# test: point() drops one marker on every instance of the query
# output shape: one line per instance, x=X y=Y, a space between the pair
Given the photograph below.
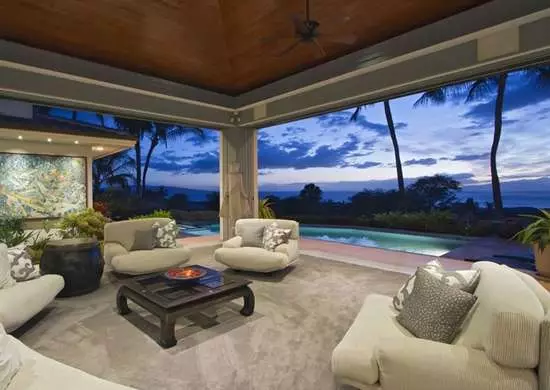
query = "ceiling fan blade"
x=348 y=39
x=320 y=47
x=289 y=49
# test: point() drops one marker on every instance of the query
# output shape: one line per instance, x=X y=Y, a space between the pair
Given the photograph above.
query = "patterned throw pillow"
x=166 y=235
x=434 y=310
x=5 y=268
x=274 y=236
x=21 y=265
x=465 y=280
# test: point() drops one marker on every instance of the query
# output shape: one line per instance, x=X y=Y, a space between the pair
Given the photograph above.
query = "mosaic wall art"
x=40 y=186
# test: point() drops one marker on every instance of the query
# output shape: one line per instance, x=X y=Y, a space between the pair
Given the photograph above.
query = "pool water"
x=427 y=245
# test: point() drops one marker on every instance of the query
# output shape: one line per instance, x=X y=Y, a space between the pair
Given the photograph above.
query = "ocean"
x=516 y=198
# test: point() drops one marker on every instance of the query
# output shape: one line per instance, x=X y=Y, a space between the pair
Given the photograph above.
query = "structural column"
x=238 y=177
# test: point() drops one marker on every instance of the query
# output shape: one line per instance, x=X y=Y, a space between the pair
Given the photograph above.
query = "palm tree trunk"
x=154 y=144
x=137 y=149
x=391 y=128
x=495 y=182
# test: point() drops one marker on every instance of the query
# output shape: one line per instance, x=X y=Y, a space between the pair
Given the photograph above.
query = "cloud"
x=293 y=130
x=421 y=161
x=343 y=119
x=209 y=136
x=472 y=157
x=198 y=163
x=367 y=164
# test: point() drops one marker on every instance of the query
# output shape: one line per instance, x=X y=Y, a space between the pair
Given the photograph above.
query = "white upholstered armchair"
x=245 y=251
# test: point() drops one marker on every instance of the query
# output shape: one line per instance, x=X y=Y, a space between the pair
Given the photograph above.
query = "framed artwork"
x=41 y=186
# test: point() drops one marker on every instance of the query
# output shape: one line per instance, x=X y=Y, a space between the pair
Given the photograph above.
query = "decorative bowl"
x=185 y=273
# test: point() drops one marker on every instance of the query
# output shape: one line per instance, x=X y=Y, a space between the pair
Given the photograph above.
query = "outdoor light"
x=19 y=137
x=49 y=140
x=76 y=142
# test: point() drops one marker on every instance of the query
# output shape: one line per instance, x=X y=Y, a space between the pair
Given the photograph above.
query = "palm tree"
x=138 y=129
x=391 y=129
x=113 y=170
x=481 y=89
x=162 y=133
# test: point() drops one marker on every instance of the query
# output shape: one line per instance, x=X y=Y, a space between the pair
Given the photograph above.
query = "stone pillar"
x=238 y=177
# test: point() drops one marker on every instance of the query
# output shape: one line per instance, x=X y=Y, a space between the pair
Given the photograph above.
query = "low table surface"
x=168 y=293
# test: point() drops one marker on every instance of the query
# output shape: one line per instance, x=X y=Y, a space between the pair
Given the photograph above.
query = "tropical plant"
x=311 y=193
x=536 y=233
x=39 y=239
x=393 y=136
x=162 y=133
x=481 y=89
x=113 y=170
x=12 y=232
x=264 y=209
x=87 y=223
x=438 y=191
x=138 y=129
x=155 y=214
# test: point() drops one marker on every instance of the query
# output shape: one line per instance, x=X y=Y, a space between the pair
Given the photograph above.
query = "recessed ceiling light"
x=98 y=148
x=49 y=140
x=19 y=137
x=76 y=142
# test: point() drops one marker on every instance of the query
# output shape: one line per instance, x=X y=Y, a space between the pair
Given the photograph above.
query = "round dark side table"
x=78 y=260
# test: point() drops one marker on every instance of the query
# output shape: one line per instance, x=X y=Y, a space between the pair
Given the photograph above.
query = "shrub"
x=155 y=214
x=264 y=209
x=88 y=223
x=432 y=221
x=12 y=232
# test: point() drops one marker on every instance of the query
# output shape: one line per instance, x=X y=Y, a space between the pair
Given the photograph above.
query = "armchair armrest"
x=416 y=364
x=235 y=242
x=290 y=249
x=112 y=249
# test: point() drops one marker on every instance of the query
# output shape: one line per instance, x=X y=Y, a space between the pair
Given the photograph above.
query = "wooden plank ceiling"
x=229 y=46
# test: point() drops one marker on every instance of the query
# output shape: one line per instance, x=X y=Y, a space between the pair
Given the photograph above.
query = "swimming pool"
x=427 y=245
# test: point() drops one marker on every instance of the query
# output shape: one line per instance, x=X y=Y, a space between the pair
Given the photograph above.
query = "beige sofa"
x=494 y=350
x=22 y=301
x=119 y=238
x=236 y=256
x=38 y=372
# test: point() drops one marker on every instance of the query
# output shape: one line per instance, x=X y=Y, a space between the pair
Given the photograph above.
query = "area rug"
x=301 y=314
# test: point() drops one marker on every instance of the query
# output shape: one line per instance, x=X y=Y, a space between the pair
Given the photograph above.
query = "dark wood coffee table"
x=168 y=299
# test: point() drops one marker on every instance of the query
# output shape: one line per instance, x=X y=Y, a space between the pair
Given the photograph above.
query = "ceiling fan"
x=307 y=32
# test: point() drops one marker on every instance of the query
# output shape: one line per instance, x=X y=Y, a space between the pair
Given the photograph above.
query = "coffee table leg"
x=167 y=332
x=122 y=302
x=248 y=308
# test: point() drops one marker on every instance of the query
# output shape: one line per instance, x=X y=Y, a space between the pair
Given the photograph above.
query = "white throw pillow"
x=274 y=236
x=465 y=280
x=21 y=264
x=5 y=268
x=167 y=234
x=10 y=359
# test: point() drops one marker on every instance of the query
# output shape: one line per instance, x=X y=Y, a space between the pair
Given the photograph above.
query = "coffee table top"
x=169 y=293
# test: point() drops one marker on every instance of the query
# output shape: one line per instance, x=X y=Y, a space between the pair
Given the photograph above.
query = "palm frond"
x=356 y=113
x=481 y=88
x=435 y=96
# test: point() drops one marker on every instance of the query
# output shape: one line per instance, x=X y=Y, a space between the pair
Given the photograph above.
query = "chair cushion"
x=354 y=358
x=465 y=280
x=544 y=359
x=10 y=359
x=144 y=262
x=434 y=310
x=514 y=340
x=6 y=279
x=252 y=235
x=145 y=239
x=251 y=259
x=24 y=300
x=41 y=373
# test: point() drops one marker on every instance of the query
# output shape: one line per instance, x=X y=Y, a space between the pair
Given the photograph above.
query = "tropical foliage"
x=155 y=214
x=12 y=232
x=264 y=209
x=88 y=223
x=538 y=232
x=116 y=170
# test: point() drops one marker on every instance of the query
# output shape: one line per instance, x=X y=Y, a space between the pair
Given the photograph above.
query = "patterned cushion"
x=434 y=310
x=274 y=236
x=252 y=235
x=514 y=340
x=6 y=279
x=21 y=265
x=166 y=235
x=464 y=280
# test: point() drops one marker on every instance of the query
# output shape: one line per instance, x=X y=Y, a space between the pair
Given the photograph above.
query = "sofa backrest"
x=499 y=290
x=123 y=232
x=283 y=223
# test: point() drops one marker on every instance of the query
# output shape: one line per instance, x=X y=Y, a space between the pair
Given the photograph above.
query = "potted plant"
x=537 y=234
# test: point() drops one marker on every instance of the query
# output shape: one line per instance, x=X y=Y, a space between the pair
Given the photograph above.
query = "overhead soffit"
x=228 y=46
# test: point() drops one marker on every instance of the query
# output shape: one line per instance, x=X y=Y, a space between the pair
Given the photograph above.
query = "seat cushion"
x=354 y=358
x=41 y=373
x=24 y=300
x=144 y=262
x=251 y=259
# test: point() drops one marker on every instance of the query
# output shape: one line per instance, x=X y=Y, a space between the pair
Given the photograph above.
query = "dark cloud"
x=209 y=136
x=367 y=164
x=471 y=157
x=421 y=161
x=290 y=131
x=207 y=162
x=342 y=119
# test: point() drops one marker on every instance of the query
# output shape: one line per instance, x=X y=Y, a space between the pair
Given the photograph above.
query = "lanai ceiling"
x=229 y=46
